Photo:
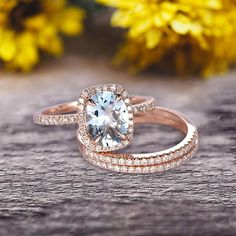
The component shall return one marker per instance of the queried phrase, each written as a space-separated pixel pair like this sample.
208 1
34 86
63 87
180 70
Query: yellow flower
28 27
195 36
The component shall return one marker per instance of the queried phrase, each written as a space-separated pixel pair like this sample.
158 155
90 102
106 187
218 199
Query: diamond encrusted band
64 114
155 161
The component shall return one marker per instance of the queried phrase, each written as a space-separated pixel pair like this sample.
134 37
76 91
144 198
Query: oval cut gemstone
107 118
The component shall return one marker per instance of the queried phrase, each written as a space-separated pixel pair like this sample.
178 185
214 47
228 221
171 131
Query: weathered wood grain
47 188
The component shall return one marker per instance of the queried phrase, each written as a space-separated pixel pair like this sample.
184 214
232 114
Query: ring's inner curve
70 107
164 117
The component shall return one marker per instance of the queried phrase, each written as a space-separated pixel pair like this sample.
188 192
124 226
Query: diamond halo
105 118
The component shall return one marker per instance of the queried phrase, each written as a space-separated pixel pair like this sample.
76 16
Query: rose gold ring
104 114
67 113
153 161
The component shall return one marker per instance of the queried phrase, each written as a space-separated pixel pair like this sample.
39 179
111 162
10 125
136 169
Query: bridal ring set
106 116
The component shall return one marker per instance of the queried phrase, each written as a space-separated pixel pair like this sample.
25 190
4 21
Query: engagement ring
104 114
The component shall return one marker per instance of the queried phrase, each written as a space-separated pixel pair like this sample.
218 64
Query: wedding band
104 114
153 161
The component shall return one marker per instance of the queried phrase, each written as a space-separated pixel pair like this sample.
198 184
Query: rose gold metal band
66 113
154 161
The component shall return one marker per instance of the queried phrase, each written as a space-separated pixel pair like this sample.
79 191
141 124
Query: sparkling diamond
107 118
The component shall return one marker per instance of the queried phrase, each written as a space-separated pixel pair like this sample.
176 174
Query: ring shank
153 161
60 109
165 117
66 113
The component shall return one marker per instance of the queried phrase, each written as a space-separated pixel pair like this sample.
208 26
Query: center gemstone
107 118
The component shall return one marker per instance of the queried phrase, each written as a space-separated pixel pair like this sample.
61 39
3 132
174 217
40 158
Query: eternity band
153 161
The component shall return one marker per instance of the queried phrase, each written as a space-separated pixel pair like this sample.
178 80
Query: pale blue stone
107 118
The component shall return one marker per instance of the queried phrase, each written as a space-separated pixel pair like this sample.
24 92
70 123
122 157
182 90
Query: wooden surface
47 188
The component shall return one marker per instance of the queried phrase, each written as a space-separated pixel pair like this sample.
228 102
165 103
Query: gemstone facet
107 118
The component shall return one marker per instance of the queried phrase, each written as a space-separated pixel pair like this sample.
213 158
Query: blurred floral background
193 37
